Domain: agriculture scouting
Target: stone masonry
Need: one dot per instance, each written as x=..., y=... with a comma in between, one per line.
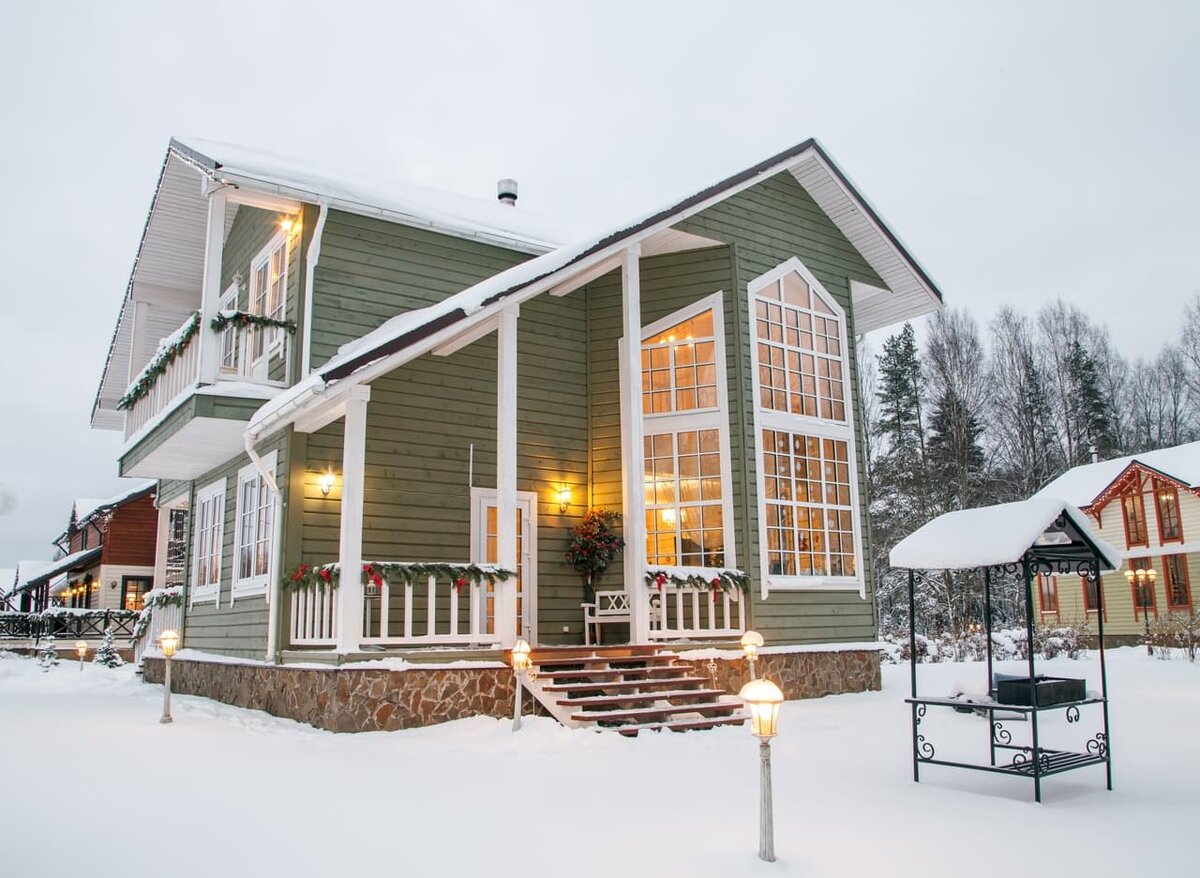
x=348, y=699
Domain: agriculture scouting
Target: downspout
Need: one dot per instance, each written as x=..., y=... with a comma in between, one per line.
x=276, y=535
x=310, y=268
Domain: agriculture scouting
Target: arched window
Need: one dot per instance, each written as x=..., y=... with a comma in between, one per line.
x=689, y=513
x=807, y=470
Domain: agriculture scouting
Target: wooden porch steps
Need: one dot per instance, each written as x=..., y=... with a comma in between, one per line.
x=628, y=690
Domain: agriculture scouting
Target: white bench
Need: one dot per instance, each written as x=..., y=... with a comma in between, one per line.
x=609, y=607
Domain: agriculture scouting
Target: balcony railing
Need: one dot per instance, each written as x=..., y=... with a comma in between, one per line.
x=247, y=352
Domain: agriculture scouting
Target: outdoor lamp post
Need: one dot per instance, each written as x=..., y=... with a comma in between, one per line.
x=521, y=663
x=81, y=649
x=751, y=641
x=1144, y=578
x=763, y=698
x=168, y=640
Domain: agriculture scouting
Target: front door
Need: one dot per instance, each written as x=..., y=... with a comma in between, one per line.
x=483, y=551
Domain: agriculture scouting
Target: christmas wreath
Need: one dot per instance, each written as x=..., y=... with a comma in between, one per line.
x=593, y=545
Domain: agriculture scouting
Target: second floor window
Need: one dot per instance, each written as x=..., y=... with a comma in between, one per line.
x=268, y=281
x=1133, y=507
x=1166, y=501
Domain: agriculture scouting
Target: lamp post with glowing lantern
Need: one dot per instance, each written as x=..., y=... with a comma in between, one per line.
x=1144, y=578
x=751, y=641
x=168, y=640
x=521, y=662
x=81, y=650
x=763, y=698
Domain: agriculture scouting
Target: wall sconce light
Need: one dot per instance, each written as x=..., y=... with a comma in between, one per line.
x=112, y=583
x=564, y=499
x=325, y=482
x=289, y=226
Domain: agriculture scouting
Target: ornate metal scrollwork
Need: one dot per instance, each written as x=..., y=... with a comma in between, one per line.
x=1021, y=757
x=1001, y=735
x=924, y=748
x=1072, y=714
x=1098, y=746
x=920, y=713
x=1063, y=567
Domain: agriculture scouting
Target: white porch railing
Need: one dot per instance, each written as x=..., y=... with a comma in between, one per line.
x=430, y=611
x=178, y=375
x=691, y=612
x=162, y=617
x=314, y=616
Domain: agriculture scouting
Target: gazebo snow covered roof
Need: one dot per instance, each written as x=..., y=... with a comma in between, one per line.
x=1048, y=529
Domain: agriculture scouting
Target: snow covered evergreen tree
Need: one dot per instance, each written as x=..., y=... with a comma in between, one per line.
x=106, y=653
x=48, y=653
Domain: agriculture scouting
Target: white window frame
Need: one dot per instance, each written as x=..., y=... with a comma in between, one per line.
x=229, y=334
x=273, y=338
x=699, y=419
x=823, y=428
x=214, y=492
x=255, y=584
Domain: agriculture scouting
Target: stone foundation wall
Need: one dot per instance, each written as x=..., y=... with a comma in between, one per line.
x=347, y=699
x=374, y=699
x=801, y=674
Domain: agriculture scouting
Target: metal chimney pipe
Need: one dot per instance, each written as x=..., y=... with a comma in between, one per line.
x=1094, y=452
x=506, y=191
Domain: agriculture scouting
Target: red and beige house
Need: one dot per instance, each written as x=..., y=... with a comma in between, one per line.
x=109, y=549
x=1148, y=506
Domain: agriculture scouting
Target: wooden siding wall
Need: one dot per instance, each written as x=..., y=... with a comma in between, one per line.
x=131, y=539
x=766, y=225
x=239, y=629
x=170, y=489
x=421, y=422
x=370, y=270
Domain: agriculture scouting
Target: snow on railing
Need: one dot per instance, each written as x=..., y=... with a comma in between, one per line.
x=162, y=610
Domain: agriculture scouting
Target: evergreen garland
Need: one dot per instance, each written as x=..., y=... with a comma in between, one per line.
x=725, y=580
x=374, y=573
x=172, y=597
x=166, y=355
x=242, y=319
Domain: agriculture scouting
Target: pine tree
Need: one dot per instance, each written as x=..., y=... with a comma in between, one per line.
x=106, y=653
x=48, y=653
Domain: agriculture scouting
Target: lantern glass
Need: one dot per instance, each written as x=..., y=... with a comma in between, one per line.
x=520, y=655
x=751, y=642
x=81, y=647
x=168, y=640
x=325, y=482
x=763, y=698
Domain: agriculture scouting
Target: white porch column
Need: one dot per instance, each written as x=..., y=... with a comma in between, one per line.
x=210, y=291
x=354, y=462
x=633, y=481
x=160, y=547
x=506, y=471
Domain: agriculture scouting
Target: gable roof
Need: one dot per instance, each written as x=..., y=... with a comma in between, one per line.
x=993, y=535
x=1083, y=485
x=86, y=509
x=75, y=561
x=170, y=253
x=399, y=339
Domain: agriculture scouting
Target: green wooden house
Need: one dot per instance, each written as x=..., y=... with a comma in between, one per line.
x=331, y=377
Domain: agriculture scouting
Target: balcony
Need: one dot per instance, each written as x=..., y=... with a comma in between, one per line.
x=178, y=426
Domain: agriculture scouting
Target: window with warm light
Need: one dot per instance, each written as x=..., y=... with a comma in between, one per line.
x=808, y=494
x=1145, y=599
x=268, y=283
x=686, y=452
x=206, y=552
x=1166, y=503
x=1133, y=508
x=1179, y=589
x=255, y=516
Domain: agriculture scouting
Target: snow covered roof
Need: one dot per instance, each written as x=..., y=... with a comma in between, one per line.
x=1082, y=485
x=29, y=570
x=85, y=509
x=71, y=562
x=1002, y=534
x=399, y=338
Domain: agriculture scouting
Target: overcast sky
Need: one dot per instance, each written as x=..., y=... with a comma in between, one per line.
x=1021, y=151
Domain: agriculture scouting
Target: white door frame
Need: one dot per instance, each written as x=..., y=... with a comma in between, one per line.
x=481, y=498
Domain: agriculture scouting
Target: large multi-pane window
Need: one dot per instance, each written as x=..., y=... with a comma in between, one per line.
x=686, y=451
x=805, y=434
x=268, y=280
x=210, y=516
x=255, y=512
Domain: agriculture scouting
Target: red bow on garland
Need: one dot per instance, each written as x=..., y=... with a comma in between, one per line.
x=459, y=583
x=716, y=584
x=660, y=580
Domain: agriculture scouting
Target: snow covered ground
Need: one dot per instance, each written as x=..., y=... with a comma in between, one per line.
x=93, y=785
